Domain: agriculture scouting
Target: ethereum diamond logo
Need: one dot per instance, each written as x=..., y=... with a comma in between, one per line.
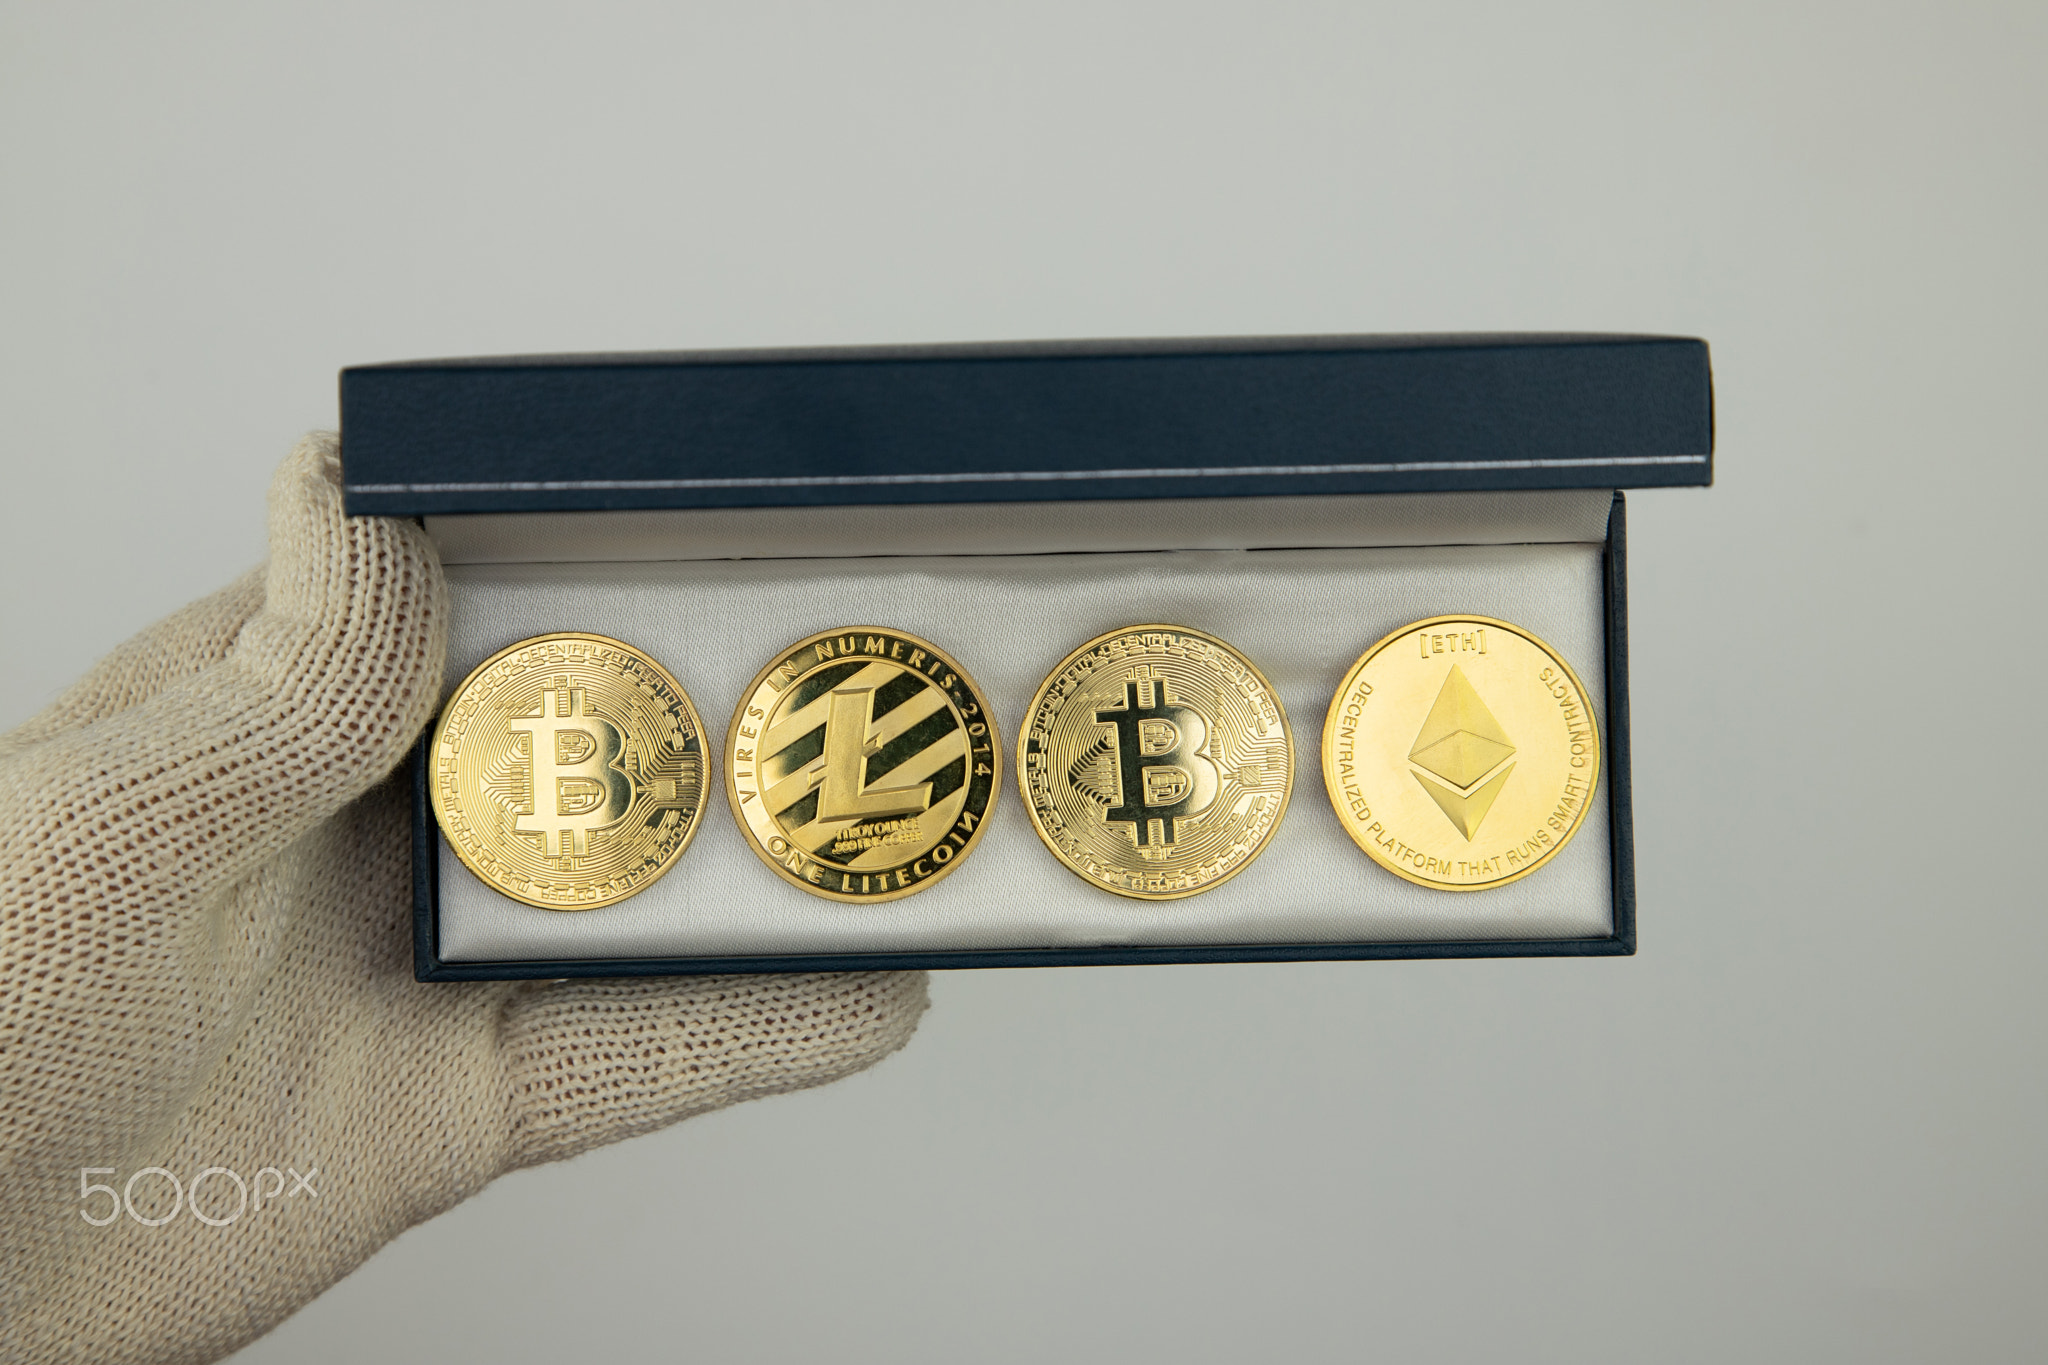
x=1462, y=744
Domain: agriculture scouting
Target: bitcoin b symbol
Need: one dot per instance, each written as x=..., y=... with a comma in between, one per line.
x=575, y=787
x=1161, y=771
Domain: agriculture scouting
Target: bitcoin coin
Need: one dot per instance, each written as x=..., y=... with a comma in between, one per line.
x=1461, y=753
x=862, y=764
x=1156, y=762
x=568, y=771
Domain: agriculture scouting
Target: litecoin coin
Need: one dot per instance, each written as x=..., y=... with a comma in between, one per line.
x=1156, y=762
x=1461, y=753
x=568, y=771
x=862, y=764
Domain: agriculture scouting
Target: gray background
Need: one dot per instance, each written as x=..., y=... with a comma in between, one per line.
x=1807, y=1122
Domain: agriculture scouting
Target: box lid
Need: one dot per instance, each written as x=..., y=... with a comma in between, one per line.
x=1030, y=422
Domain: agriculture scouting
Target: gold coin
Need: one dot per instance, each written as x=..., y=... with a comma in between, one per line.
x=862, y=764
x=1460, y=753
x=568, y=771
x=1155, y=762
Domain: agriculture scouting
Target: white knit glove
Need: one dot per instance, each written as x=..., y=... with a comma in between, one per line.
x=205, y=962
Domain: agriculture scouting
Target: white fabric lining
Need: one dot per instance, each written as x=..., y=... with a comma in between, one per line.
x=1302, y=615
x=1557, y=516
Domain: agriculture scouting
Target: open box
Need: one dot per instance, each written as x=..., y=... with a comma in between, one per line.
x=1299, y=498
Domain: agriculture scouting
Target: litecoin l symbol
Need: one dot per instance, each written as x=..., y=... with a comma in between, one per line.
x=844, y=795
x=575, y=787
x=1160, y=769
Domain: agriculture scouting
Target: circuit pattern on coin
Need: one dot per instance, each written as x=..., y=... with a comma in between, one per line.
x=1156, y=762
x=1461, y=753
x=862, y=764
x=568, y=771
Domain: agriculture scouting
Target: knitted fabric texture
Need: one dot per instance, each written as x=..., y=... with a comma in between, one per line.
x=205, y=962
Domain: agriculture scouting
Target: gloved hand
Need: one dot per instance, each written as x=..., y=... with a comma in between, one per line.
x=205, y=962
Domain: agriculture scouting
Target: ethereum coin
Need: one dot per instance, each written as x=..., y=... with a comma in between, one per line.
x=1460, y=753
x=568, y=771
x=862, y=763
x=1156, y=762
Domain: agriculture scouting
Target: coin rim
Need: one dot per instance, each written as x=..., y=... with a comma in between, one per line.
x=1286, y=736
x=441, y=725
x=760, y=849
x=1330, y=737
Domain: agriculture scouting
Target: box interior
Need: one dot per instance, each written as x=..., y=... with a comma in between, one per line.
x=1301, y=586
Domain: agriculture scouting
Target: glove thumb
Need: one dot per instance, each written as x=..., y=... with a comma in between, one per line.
x=592, y=1062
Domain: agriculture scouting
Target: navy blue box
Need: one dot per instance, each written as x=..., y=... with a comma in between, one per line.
x=1083, y=422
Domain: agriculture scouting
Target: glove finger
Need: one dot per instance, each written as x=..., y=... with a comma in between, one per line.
x=592, y=1062
x=186, y=642
x=318, y=699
